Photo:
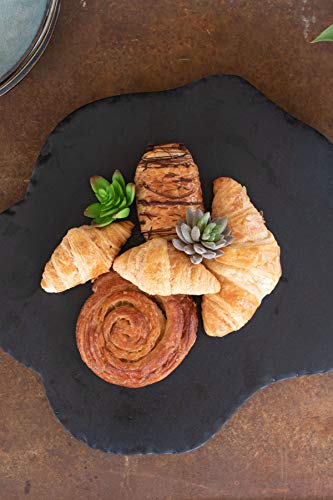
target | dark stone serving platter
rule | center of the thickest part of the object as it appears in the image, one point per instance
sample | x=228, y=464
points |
x=232, y=130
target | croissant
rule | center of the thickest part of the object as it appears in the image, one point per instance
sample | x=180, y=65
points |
x=157, y=268
x=83, y=254
x=249, y=269
x=131, y=339
x=167, y=183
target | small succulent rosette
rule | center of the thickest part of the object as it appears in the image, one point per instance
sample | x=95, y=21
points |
x=202, y=237
x=114, y=199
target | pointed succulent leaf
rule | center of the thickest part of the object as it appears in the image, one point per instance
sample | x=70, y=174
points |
x=117, y=200
x=325, y=36
x=111, y=192
x=221, y=241
x=196, y=259
x=198, y=215
x=205, y=237
x=217, y=237
x=210, y=245
x=130, y=193
x=117, y=176
x=118, y=189
x=93, y=210
x=229, y=239
x=227, y=231
x=218, y=229
x=190, y=216
x=209, y=255
x=211, y=237
x=97, y=182
x=178, y=244
x=217, y=220
x=199, y=248
x=122, y=204
x=219, y=253
x=179, y=231
x=102, y=221
x=209, y=228
x=189, y=250
x=108, y=205
x=220, y=245
x=122, y=214
x=224, y=223
x=215, y=234
x=110, y=211
x=101, y=195
x=221, y=221
x=195, y=233
x=186, y=232
x=202, y=223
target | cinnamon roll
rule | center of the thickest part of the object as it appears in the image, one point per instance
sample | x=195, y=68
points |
x=132, y=339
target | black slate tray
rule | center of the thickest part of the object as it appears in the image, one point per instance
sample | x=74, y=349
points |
x=231, y=130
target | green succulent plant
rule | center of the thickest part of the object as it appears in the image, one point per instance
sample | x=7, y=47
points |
x=325, y=36
x=202, y=237
x=114, y=199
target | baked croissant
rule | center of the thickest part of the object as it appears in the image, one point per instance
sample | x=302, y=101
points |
x=249, y=269
x=131, y=339
x=84, y=253
x=157, y=268
x=167, y=183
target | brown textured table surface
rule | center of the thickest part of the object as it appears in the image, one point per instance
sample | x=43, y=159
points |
x=279, y=444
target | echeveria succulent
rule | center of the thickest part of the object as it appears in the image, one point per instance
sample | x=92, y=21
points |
x=202, y=237
x=114, y=199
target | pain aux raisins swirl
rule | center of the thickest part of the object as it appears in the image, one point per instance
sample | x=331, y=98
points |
x=132, y=339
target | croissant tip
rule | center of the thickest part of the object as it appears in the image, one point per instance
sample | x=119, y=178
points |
x=46, y=288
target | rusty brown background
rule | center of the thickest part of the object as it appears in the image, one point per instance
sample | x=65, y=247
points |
x=279, y=444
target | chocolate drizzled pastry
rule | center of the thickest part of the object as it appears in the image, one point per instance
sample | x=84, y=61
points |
x=167, y=183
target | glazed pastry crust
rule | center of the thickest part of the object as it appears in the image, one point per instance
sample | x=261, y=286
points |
x=156, y=267
x=131, y=339
x=84, y=254
x=249, y=269
x=167, y=183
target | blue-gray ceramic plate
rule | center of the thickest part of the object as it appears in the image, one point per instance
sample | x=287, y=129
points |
x=25, y=30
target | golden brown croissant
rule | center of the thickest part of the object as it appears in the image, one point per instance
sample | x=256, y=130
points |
x=249, y=269
x=131, y=339
x=157, y=268
x=84, y=253
x=167, y=183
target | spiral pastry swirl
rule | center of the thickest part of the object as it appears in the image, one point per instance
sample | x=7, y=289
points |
x=132, y=339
